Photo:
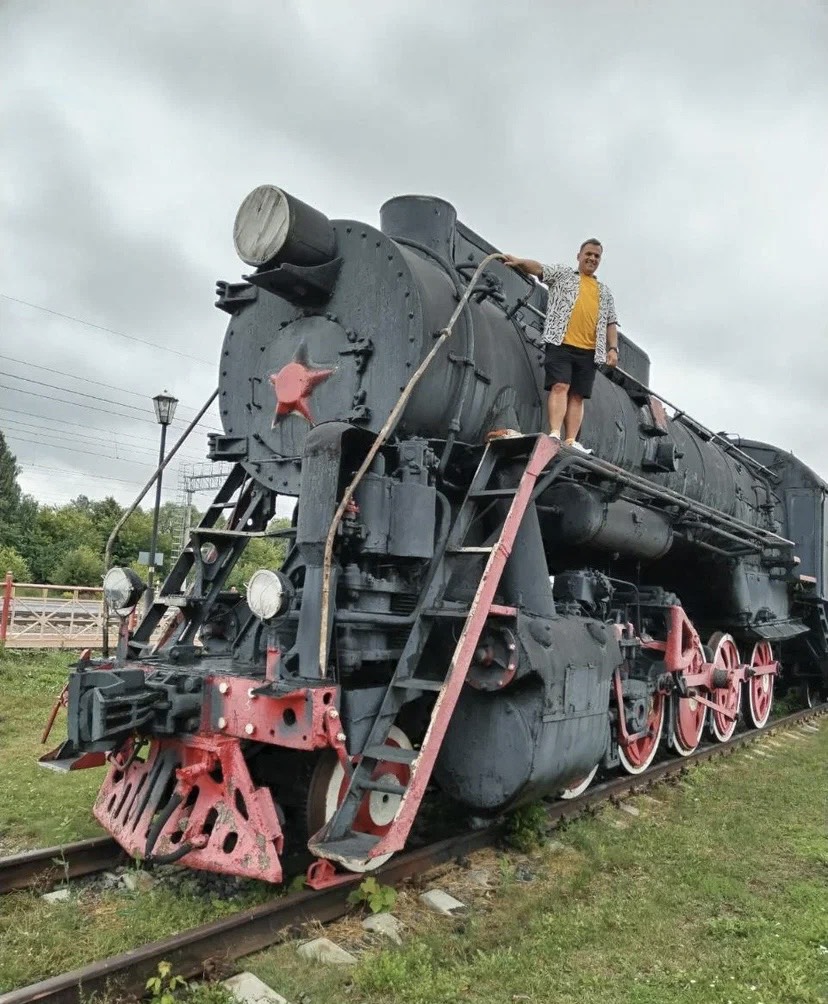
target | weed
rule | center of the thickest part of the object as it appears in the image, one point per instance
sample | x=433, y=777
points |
x=526, y=827
x=164, y=985
x=377, y=897
x=507, y=870
x=210, y=993
x=298, y=883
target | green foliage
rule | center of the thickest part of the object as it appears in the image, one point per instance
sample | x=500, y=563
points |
x=526, y=827
x=163, y=987
x=10, y=493
x=210, y=993
x=259, y=553
x=14, y=562
x=375, y=896
x=17, y=511
x=81, y=566
x=65, y=544
x=298, y=883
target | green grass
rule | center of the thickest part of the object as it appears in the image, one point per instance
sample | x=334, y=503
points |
x=718, y=895
x=38, y=940
x=38, y=807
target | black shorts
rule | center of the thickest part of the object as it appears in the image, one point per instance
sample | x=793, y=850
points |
x=566, y=364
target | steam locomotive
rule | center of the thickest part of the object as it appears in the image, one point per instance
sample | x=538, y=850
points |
x=498, y=616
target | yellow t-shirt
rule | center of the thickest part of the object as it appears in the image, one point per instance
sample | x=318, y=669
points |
x=580, y=332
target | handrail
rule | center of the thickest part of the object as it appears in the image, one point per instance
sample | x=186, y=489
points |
x=120, y=524
x=381, y=437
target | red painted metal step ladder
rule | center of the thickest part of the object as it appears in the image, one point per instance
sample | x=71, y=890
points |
x=338, y=840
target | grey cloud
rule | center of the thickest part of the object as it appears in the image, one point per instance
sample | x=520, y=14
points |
x=691, y=138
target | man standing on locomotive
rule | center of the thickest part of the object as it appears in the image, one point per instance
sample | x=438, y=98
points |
x=581, y=333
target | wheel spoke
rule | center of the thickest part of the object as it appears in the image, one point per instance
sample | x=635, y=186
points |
x=638, y=756
x=760, y=687
x=725, y=656
x=687, y=718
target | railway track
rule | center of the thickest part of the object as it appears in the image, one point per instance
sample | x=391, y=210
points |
x=230, y=938
x=50, y=865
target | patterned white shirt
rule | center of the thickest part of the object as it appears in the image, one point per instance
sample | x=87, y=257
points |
x=564, y=284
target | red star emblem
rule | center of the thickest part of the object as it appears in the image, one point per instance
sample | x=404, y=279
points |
x=294, y=384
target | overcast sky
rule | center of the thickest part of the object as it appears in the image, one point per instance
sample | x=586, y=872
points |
x=692, y=138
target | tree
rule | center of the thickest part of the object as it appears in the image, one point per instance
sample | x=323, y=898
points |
x=82, y=566
x=136, y=536
x=14, y=562
x=9, y=494
x=259, y=553
x=57, y=531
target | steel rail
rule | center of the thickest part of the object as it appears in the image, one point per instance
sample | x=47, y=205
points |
x=49, y=865
x=222, y=941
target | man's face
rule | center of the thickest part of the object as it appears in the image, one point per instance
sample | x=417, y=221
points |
x=589, y=258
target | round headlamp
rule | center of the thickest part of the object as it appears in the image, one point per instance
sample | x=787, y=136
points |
x=268, y=593
x=262, y=225
x=273, y=227
x=122, y=589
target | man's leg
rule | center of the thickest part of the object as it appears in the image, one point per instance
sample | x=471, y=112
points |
x=556, y=407
x=574, y=416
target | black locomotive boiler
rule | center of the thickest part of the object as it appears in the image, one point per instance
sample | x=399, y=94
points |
x=498, y=616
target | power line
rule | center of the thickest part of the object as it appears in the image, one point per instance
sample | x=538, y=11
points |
x=110, y=331
x=79, y=475
x=110, y=437
x=25, y=429
x=106, y=456
x=97, y=383
x=79, y=425
x=80, y=393
x=89, y=407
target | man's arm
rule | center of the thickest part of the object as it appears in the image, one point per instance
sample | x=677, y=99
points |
x=528, y=265
x=612, y=344
x=612, y=331
x=546, y=273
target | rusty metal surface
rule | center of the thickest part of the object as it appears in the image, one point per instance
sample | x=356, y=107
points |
x=52, y=864
x=252, y=930
x=241, y=706
x=213, y=817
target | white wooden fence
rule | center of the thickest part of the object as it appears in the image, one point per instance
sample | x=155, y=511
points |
x=34, y=615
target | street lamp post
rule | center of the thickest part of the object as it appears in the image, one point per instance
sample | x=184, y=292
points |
x=164, y=410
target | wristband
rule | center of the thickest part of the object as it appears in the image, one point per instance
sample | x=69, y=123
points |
x=613, y=348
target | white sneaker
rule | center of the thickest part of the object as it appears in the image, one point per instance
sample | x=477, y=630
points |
x=575, y=445
x=555, y=436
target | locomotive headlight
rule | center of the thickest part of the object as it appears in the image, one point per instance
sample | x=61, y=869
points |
x=273, y=227
x=268, y=593
x=122, y=589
